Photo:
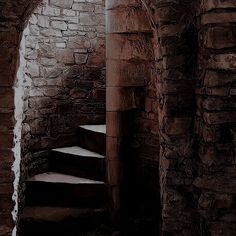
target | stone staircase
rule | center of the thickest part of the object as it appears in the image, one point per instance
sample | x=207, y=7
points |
x=72, y=197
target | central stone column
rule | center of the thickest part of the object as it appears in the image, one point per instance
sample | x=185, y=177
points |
x=129, y=52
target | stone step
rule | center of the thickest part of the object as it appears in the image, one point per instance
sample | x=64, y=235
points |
x=38, y=220
x=79, y=162
x=93, y=137
x=56, y=189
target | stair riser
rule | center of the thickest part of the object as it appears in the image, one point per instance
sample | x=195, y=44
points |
x=92, y=141
x=85, y=167
x=66, y=195
x=68, y=226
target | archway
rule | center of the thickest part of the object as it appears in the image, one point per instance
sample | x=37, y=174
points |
x=19, y=16
x=214, y=132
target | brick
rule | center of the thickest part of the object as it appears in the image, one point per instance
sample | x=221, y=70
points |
x=59, y=25
x=219, y=117
x=62, y=3
x=225, y=61
x=213, y=18
x=215, y=201
x=218, y=78
x=214, y=4
x=219, y=184
x=220, y=37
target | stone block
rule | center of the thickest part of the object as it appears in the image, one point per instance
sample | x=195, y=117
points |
x=32, y=69
x=96, y=60
x=62, y=3
x=65, y=56
x=61, y=25
x=43, y=21
x=218, y=78
x=60, y=45
x=221, y=17
x=134, y=47
x=214, y=4
x=219, y=117
x=78, y=42
x=220, y=184
x=114, y=172
x=220, y=37
x=34, y=30
x=38, y=126
x=86, y=18
x=31, y=54
x=225, y=61
x=51, y=11
x=33, y=19
x=80, y=59
x=67, y=12
x=51, y=32
x=83, y=7
x=120, y=98
x=73, y=27
x=48, y=61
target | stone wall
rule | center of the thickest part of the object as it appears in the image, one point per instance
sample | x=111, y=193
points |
x=216, y=117
x=65, y=76
x=13, y=16
x=197, y=159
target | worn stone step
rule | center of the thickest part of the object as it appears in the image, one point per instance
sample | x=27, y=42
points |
x=55, y=189
x=79, y=162
x=38, y=220
x=93, y=137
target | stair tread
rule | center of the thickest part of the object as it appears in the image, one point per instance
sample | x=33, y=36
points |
x=78, y=151
x=53, y=177
x=95, y=128
x=56, y=213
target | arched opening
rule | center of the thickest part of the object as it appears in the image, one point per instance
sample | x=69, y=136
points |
x=57, y=59
x=62, y=169
x=132, y=104
x=187, y=125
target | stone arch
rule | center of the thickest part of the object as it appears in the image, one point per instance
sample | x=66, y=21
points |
x=14, y=15
x=65, y=78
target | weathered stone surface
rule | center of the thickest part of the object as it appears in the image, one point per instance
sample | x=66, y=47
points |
x=134, y=21
x=197, y=160
x=225, y=61
x=214, y=18
x=214, y=4
x=135, y=47
x=62, y=89
x=220, y=117
x=220, y=37
x=62, y=3
x=217, y=183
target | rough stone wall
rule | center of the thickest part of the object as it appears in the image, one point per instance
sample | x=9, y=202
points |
x=216, y=117
x=13, y=16
x=65, y=76
x=210, y=187
x=175, y=51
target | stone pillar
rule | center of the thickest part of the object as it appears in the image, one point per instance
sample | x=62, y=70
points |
x=128, y=54
x=174, y=44
x=216, y=116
